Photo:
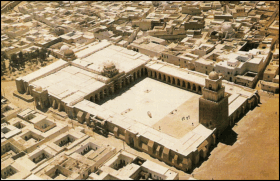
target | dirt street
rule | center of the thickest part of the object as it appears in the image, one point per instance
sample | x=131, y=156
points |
x=255, y=154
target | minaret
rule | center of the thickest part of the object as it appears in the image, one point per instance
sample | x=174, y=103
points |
x=213, y=105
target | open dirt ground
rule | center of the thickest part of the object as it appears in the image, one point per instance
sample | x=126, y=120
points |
x=255, y=154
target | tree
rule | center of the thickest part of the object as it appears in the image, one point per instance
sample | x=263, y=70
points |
x=43, y=55
x=14, y=60
x=21, y=59
x=37, y=52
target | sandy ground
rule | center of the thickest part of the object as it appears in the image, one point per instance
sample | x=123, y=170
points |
x=255, y=154
x=183, y=120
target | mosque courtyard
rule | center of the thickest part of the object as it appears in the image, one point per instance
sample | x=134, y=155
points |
x=173, y=111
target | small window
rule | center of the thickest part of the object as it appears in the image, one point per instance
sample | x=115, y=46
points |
x=228, y=73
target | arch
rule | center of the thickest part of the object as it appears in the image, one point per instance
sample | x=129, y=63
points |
x=96, y=97
x=123, y=82
x=142, y=71
x=199, y=89
x=134, y=75
x=138, y=73
x=173, y=80
x=194, y=87
x=146, y=71
x=159, y=76
x=164, y=77
x=101, y=94
x=210, y=87
x=189, y=85
x=183, y=84
x=230, y=79
x=178, y=82
x=105, y=92
x=169, y=80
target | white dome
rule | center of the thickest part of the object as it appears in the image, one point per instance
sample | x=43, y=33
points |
x=213, y=75
x=63, y=49
x=109, y=65
x=226, y=27
x=38, y=89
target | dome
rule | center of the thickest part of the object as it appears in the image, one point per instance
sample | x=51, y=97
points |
x=63, y=48
x=109, y=65
x=68, y=52
x=226, y=27
x=213, y=75
x=38, y=89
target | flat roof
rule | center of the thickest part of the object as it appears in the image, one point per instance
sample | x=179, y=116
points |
x=124, y=59
x=177, y=72
x=30, y=77
x=70, y=83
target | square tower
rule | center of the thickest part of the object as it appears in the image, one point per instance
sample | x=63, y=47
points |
x=213, y=105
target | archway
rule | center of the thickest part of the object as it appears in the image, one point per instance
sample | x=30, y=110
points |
x=131, y=142
x=146, y=71
x=105, y=93
x=91, y=99
x=159, y=76
x=184, y=84
x=189, y=85
x=123, y=82
x=199, y=89
x=194, y=87
x=164, y=78
x=173, y=80
x=101, y=94
x=96, y=97
x=169, y=81
x=134, y=75
x=178, y=82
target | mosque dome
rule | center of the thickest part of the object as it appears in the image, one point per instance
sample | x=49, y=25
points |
x=68, y=52
x=39, y=89
x=213, y=75
x=109, y=65
x=109, y=69
x=63, y=49
x=226, y=27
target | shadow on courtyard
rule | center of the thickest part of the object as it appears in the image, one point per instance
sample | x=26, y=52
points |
x=119, y=92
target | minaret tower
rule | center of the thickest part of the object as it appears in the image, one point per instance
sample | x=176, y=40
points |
x=213, y=105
